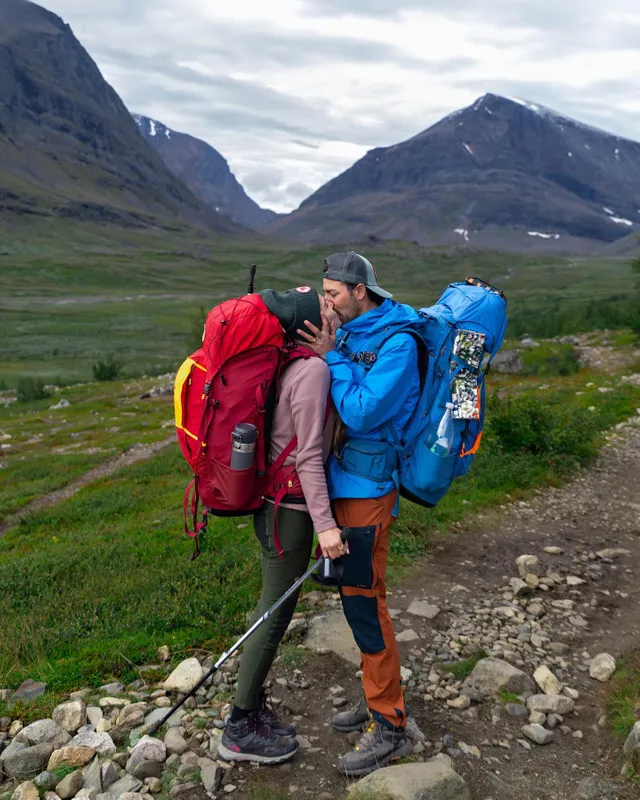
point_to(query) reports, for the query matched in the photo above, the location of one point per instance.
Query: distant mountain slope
(204, 170)
(499, 170)
(68, 145)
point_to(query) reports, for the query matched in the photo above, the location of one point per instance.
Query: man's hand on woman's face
(320, 341)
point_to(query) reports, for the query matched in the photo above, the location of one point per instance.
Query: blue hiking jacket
(368, 400)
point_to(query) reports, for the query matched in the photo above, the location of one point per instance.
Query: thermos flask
(243, 445)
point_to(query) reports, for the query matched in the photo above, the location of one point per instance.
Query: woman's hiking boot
(250, 740)
(352, 720)
(377, 747)
(267, 716)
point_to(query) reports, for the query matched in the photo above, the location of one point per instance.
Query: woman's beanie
(293, 307)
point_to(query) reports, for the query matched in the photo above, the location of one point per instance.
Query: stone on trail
(126, 784)
(519, 587)
(420, 608)
(527, 565)
(435, 780)
(632, 747)
(147, 749)
(602, 667)
(593, 788)
(554, 551)
(175, 742)
(185, 676)
(492, 675)
(538, 734)
(551, 704)
(547, 681)
(332, 632)
(408, 635)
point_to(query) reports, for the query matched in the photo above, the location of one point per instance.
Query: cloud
(294, 91)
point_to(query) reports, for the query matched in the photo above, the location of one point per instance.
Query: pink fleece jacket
(304, 393)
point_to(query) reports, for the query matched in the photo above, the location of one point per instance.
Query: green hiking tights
(295, 530)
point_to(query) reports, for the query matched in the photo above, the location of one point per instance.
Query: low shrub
(108, 370)
(31, 389)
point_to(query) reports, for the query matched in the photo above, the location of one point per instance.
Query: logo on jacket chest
(367, 358)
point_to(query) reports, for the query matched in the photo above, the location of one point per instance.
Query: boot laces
(261, 729)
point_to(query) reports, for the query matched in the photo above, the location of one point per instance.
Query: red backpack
(233, 378)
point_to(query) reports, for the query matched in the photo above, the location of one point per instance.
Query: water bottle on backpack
(445, 434)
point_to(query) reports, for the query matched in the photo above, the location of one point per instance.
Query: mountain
(68, 145)
(204, 171)
(502, 172)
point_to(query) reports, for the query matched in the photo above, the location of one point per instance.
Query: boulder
(28, 691)
(602, 667)
(92, 776)
(492, 675)
(26, 791)
(94, 715)
(46, 781)
(126, 784)
(550, 704)
(434, 780)
(185, 676)
(508, 361)
(70, 716)
(45, 731)
(70, 785)
(547, 681)
(71, 756)
(102, 743)
(109, 773)
(28, 762)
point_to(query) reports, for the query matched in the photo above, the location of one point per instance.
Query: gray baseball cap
(352, 268)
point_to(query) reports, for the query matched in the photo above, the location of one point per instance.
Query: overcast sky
(292, 92)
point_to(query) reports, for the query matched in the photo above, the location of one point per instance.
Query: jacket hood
(388, 315)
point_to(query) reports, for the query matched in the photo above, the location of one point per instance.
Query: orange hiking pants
(364, 600)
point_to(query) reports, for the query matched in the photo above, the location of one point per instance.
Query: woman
(303, 410)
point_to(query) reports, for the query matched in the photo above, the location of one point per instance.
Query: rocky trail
(542, 587)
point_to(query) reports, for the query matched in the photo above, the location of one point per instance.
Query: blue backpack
(466, 324)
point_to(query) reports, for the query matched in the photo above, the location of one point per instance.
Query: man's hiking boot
(352, 720)
(267, 716)
(250, 740)
(377, 747)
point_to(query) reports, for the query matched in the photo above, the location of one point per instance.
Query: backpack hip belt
(376, 460)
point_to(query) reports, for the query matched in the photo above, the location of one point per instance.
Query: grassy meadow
(71, 295)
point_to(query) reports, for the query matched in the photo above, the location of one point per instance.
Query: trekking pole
(225, 656)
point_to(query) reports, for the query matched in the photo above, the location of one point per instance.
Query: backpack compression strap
(198, 527)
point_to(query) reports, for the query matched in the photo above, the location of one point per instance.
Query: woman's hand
(331, 543)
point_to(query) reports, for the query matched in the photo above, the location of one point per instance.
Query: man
(375, 386)
(254, 732)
